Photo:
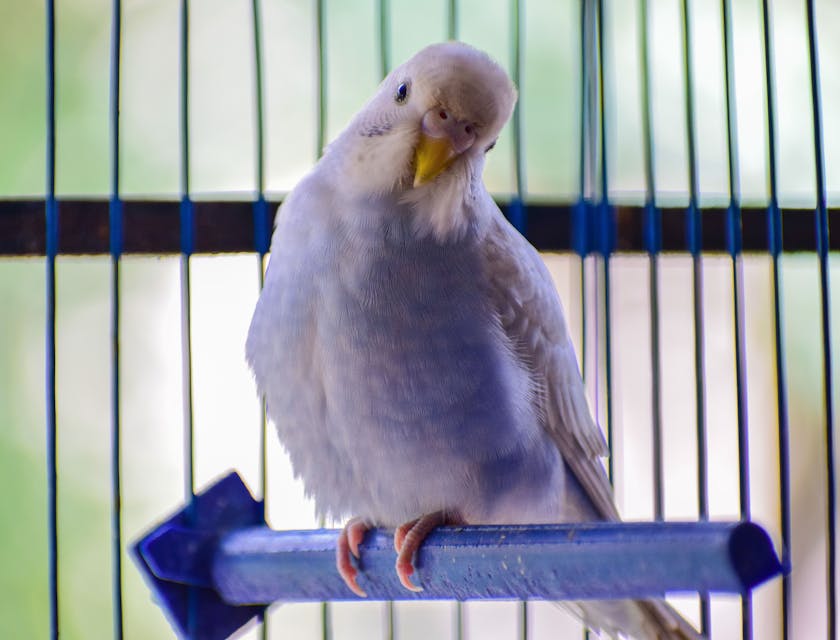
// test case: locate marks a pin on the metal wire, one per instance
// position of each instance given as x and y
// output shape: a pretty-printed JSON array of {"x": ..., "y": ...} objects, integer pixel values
[
  {"x": 518, "y": 213},
  {"x": 384, "y": 38},
  {"x": 652, "y": 226},
  {"x": 581, "y": 214},
  {"x": 51, "y": 223},
  {"x": 694, "y": 232},
  {"x": 821, "y": 222},
  {"x": 587, "y": 169},
  {"x": 115, "y": 220},
  {"x": 320, "y": 47},
  {"x": 320, "y": 136},
  {"x": 734, "y": 241},
  {"x": 384, "y": 68},
  {"x": 260, "y": 231},
  {"x": 605, "y": 227},
  {"x": 774, "y": 232},
  {"x": 452, "y": 20},
  {"x": 187, "y": 243}
]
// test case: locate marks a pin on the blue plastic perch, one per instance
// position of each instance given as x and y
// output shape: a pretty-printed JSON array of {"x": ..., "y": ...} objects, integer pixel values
[{"x": 215, "y": 565}]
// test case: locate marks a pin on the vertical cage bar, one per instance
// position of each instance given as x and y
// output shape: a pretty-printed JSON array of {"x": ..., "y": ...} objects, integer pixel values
[
  {"x": 384, "y": 67},
  {"x": 260, "y": 206},
  {"x": 260, "y": 230},
  {"x": 733, "y": 241},
  {"x": 588, "y": 145},
  {"x": 115, "y": 230},
  {"x": 186, "y": 251},
  {"x": 523, "y": 620},
  {"x": 774, "y": 232},
  {"x": 258, "y": 98},
  {"x": 517, "y": 211},
  {"x": 326, "y": 621},
  {"x": 321, "y": 43},
  {"x": 578, "y": 218},
  {"x": 582, "y": 208},
  {"x": 187, "y": 224},
  {"x": 694, "y": 234},
  {"x": 452, "y": 34},
  {"x": 652, "y": 233},
  {"x": 51, "y": 213},
  {"x": 605, "y": 224},
  {"x": 452, "y": 20},
  {"x": 821, "y": 223},
  {"x": 321, "y": 53},
  {"x": 384, "y": 38},
  {"x": 390, "y": 621}
]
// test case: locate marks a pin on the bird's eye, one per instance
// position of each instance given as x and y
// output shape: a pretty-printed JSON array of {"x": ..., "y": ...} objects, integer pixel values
[
  {"x": 490, "y": 146},
  {"x": 401, "y": 94}
]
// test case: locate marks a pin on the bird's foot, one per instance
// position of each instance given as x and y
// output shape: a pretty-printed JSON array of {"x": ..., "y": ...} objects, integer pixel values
[
  {"x": 348, "y": 543},
  {"x": 408, "y": 538}
]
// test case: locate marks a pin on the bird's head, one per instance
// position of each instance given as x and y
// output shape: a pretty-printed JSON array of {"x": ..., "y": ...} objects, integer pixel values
[{"x": 431, "y": 121}]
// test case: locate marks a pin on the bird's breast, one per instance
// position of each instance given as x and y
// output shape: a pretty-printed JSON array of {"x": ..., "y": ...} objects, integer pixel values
[{"x": 397, "y": 374}]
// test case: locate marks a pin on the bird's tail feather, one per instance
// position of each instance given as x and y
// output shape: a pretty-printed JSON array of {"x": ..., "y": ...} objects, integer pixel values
[{"x": 637, "y": 619}]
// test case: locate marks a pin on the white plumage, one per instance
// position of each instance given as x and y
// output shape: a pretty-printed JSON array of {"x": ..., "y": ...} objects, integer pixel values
[{"x": 409, "y": 342}]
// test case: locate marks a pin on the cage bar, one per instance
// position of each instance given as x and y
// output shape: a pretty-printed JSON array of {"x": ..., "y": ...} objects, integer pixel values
[
  {"x": 227, "y": 226},
  {"x": 694, "y": 233},
  {"x": 321, "y": 50},
  {"x": 115, "y": 238},
  {"x": 187, "y": 242},
  {"x": 261, "y": 227},
  {"x": 652, "y": 234},
  {"x": 604, "y": 237},
  {"x": 733, "y": 237},
  {"x": 822, "y": 231},
  {"x": 51, "y": 250},
  {"x": 775, "y": 244}
]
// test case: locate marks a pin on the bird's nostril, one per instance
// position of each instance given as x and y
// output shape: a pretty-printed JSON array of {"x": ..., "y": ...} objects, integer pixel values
[{"x": 443, "y": 115}]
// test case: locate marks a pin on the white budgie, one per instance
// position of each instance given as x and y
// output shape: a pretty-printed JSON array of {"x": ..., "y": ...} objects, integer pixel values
[{"x": 410, "y": 344}]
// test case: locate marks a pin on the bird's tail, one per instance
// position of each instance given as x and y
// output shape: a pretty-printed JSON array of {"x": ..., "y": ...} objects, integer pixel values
[{"x": 637, "y": 619}]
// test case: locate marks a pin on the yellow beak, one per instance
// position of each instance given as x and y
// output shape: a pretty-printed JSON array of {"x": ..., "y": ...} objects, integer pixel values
[{"x": 431, "y": 157}]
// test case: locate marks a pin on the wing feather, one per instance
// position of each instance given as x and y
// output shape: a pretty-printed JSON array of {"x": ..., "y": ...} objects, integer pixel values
[{"x": 532, "y": 317}]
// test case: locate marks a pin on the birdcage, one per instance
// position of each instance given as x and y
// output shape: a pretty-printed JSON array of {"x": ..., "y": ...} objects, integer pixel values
[{"x": 672, "y": 161}]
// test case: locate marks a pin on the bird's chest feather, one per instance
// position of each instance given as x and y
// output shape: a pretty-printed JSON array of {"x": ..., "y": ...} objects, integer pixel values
[
  {"x": 407, "y": 334},
  {"x": 394, "y": 365}
]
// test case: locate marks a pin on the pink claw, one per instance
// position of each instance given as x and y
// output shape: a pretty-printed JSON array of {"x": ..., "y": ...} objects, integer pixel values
[
  {"x": 356, "y": 530},
  {"x": 408, "y": 538},
  {"x": 401, "y": 533},
  {"x": 404, "y": 571},
  {"x": 348, "y": 542}
]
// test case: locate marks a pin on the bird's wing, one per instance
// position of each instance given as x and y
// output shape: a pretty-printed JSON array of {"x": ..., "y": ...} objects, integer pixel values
[{"x": 532, "y": 316}]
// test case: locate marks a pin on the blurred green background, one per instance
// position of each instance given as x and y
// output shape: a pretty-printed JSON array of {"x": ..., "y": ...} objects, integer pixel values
[{"x": 225, "y": 287}]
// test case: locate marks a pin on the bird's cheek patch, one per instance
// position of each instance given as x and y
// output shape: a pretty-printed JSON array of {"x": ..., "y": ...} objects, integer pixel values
[{"x": 376, "y": 130}]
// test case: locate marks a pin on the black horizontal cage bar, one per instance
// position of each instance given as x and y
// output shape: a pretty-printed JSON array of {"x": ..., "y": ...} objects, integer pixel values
[{"x": 227, "y": 226}]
